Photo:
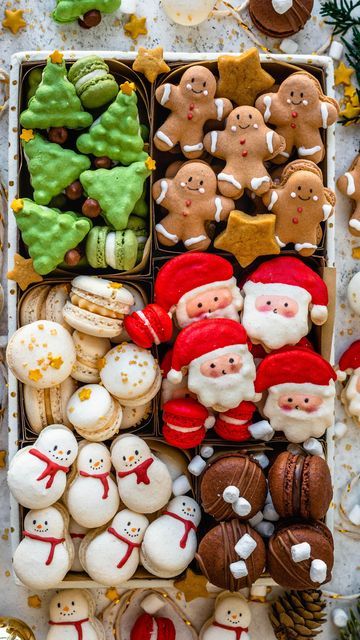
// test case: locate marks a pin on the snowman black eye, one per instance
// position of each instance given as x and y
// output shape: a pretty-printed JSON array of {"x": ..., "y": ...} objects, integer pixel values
[
  {"x": 59, "y": 605},
  {"x": 136, "y": 452},
  {"x": 240, "y": 614},
  {"x": 184, "y": 503},
  {"x": 138, "y": 529},
  {"x": 128, "y": 524},
  {"x": 90, "y": 460},
  {"x": 102, "y": 460},
  {"x": 34, "y": 521},
  {"x": 73, "y": 604},
  {"x": 124, "y": 458},
  {"x": 229, "y": 613},
  {"x": 194, "y": 510},
  {"x": 68, "y": 452},
  {"x": 55, "y": 447},
  {"x": 46, "y": 522}
]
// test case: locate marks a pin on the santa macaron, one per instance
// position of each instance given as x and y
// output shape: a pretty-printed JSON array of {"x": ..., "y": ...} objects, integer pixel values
[
  {"x": 221, "y": 369},
  {"x": 234, "y": 424},
  {"x": 185, "y": 422},
  {"x": 148, "y": 627},
  {"x": 301, "y": 393},
  {"x": 281, "y": 299},
  {"x": 349, "y": 365},
  {"x": 148, "y": 326}
]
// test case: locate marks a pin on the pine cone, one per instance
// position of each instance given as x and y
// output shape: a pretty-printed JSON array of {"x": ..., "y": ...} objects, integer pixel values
[{"x": 298, "y": 615}]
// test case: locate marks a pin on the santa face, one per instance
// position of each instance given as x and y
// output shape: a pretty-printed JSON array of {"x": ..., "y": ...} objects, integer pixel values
[
  {"x": 234, "y": 612},
  {"x": 59, "y": 445},
  {"x": 69, "y": 605},
  {"x": 185, "y": 507},
  {"x": 45, "y": 522},
  {"x": 215, "y": 300},
  {"x": 94, "y": 458},
  {"x": 275, "y": 315},
  {"x": 300, "y": 410},
  {"x": 198, "y": 83},
  {"x": 130, "y": 525},
  {"x": 351, "y": 394},
  {"x": 224, "y": 377},
  {"x": 127, "y": 453}
]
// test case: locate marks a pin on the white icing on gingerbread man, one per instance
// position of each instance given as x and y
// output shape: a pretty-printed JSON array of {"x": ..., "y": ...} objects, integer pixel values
[{"x": 349, "y": 185}]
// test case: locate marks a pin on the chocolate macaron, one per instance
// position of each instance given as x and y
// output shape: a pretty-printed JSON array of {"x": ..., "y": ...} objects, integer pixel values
[
  {"x": 233, "y": 485},
  {"x": 301, "y": 555},
  {"x": 280, "y": 18},
  {"x": 294, "y": 483}
]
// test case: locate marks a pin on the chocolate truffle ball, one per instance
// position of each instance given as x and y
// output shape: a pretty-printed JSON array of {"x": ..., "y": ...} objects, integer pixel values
[
  {"x": 216, "y": 553},
  {"x": 297, "y": 574},
  {"x": 232, "y": 470},
  {"x": 280, "y": 25},
  {"x": 300, "y": 485}
]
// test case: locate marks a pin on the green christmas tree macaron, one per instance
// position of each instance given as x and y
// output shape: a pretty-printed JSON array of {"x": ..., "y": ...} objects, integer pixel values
[
  {"x": 52, "y": 168},
  {"x": 48, "y": 233},
  {"x": 117, "y": 134},
  {"x": 55, "y": 103},
  {"x": 70, "y": 10},
  {"x": 116, "y": 190}
]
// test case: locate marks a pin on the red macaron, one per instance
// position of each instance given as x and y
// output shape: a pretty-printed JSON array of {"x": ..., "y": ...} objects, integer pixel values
[
  {"x": 148, "y": 326},
  {"x": 148, "y": 627},
  {"x": 234, "y": 424},
  {"x": 185, "y": 422}
]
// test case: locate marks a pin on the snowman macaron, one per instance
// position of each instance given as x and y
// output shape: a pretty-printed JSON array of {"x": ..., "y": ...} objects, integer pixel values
[
  {"x": 77, "y": 535},
  {"x": 231, "y": 619},
  {"x": 37, "y": 474},
  {"x": 144, "y": 482},
  {"x": 71, "y": 615},
  {"x": 46, "y": 553},
  {"x": 92, "y": 497},
  {"x": 111, "y": 556},
  {"x": 170, "y": 542}
]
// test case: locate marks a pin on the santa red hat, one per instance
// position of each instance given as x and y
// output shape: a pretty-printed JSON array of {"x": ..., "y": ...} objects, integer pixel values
[
  {"x": 187, "y": 272},
  {"x": 185, "y": 422},
  {"x": 349, "y": 360},
  {"x": 147, "y": 627},
  {"x": 297, "y": 366},
  {"x": 201, "y": 338},
  {"x": 290, "y": 271},
  {"x": 234, "y": 424},
  {"x": 148, "y": 326}
]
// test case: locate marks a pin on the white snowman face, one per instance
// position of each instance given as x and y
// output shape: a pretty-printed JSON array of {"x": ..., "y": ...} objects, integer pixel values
[
  {"x": 69, "y": 605},
  {"x": 59, "y": 444},
  {"x": 45, "y": 522},
  {"x": 185, "y": 507},
  {"x": 94, "y": 458},
  {"x": 233, "y": 612},
  {"x": 130, "y": 525},
  {"x": 129, "y": 452}
]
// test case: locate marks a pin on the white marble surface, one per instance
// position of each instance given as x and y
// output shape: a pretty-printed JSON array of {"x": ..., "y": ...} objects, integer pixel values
[{"x": 215, "y": 35}]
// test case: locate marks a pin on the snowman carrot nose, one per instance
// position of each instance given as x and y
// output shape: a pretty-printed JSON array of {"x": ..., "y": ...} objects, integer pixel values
[
  {"x": 39, "y": 526},
  {"x": 60, "y": 452},
  {"x": 131, "y": 458},
  {"x": 66, "y": 608},
  {"x": 96, "y": 464},
  {"x": 133, "y": 530},
  {"x": 234, "y": 616}
]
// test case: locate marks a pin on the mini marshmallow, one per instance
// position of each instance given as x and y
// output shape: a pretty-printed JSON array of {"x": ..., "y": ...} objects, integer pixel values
[
  {"x": 245, "y": 546},
  {"x": 336, "y": 50},
  {"x": 282, "y": 6},
  {"x": 270, "y": 513},
  {"x": 206, "y": 452},
  {"x": 231, "y": 494},
  {"x": 300, "y": 552},
  {"x": 318, "y": 571},
  {"x": 258, "y": 592},
  {"x": 262, "y": 459},
  {"x": 238, "y": 569},
  {"x": 340, "y": 618},
  {"x": 152, "y": 603},
  {"x": 314, "y": 447},
  {"x": 340, "y": 430},
  {"x": 354, "y": 515},
  {"x": 265, "y": 528},
  {"x": 197, "y": 466},
  {"x": 128, "y": 6},
  {"x": 262, "y": 430},
  {"x": 268, "y": 499},
  {"x": 295, "y": 449},
  {"x": 258, "y": 517},
  {"x": 241, "y": 507},
  {"x": 181, "y": 486},
  {"x": 289, "y": 46}
]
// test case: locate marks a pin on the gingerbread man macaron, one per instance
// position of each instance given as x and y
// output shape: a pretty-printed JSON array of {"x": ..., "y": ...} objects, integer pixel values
[
  {"x": 191, "y": 200},
  {"x": 191, "y": 103},
  {"x": 349, "y": 185},
  {"x": 300, "y": 203},
  {"x": 299, "y": 110},
  {"x": 245, "y": 144}
]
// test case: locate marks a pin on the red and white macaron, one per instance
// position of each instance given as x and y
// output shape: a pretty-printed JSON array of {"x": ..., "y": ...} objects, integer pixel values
[
  {"x": 234, "y": 424},
  {"x": 185, "y": 422},
  {"x": 148, "y": 326}
]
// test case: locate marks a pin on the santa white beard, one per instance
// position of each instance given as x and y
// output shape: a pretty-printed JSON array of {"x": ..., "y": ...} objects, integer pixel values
[
  {"x": 273, "y": 330},
  {"x": 351, "y": 396},
  {"x": 225, "y": 392},
  {"x": 231, "y": 311},
  {"x": 299, "y": 425}
]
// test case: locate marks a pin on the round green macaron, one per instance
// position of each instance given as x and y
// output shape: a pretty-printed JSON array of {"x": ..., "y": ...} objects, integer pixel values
[
  {"x": 95, "y": 247},
  {"x": 139, "y": 227},
  {"x": 116, "y": 249},
  {"x": 94, "y": 85}
]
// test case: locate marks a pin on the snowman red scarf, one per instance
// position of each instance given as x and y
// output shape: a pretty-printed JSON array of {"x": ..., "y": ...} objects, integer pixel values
[
  {"x": 187, "y": 524},
  {"x": 140, "y": 472},
  {"x": 238, "y": 631},
  {"x": 103, "y": 477},
  {"x": 130, "y": 549},
  {"x": 51, "y": 468},
  {"x": 77, "y": 624},
  {"x": 52, "y": 541}
]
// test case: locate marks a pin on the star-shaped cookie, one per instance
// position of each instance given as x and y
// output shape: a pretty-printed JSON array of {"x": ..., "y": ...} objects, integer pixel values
[
  {"x": 14, "y": 20},
  {"x": 151, "y": 63},
  {"x": 242, "y": 77},
  {"x": 135, "y": 27},
  {"x": 23, "y": 272},
  {"x": 248, "y": 237},
  {"x": 193, "y": 586}
]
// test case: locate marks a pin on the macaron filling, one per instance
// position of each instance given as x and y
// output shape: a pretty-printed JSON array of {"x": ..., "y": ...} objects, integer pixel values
[{"x": 96, "y": 73}]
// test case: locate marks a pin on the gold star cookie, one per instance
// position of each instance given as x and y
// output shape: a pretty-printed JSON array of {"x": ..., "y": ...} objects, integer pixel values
[
  {"x": 343, "y": 74},
  {"x": 242, "y": 77},
  {"x": 135, "y": 27},
  {"x": 193, "y": 586},
  {"x": 248, "y": 237},
  {"x": 23, "y": 272},
  {"x": 14, "y": 20},
  {"x": 151, "y": 63}
]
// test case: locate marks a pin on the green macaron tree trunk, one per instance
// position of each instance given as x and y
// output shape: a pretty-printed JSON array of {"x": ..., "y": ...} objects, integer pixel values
[{"x": 70, "y": 10}]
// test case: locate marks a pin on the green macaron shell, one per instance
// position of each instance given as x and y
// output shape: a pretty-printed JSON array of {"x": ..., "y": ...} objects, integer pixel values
[
  {"x": 139, "y": 227},
  {"x": 98, "y": 90},
  {"x": 69, "y": 10},
  {"x": 126, "y": 249},
  {"x": 95, "y": 247}
]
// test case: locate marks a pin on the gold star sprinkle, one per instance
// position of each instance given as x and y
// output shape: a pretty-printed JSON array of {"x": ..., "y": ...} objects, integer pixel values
[
  {"x": 101, "y": 362},
  {"x": 14, "y": 20},
  {"x": 135, "y": 27},
  {"x": 2, "y": 459},
  {"x": 84, "y": 394},
  {"x": 115, "y": 285},
  {"x": 35, "y": 375},
  {"x": 16, "y": 205},
  {"x": 23, "y": 272},
  {"x": 151, "y": 63},
  {"x": 56, "y": 57},
  {"x": 248, "y": 237},
  {"x": 193, "y": 586},
  {"x": 127, "y": 88},
  {"x": 112, "y": 595},
  {"x": 56, "y": 363},
  {"x": 27, "y": 135},
  {"x": 34, "y": 602},
  {"x": 343, "y": 74},
  {"x": 150, "y": 164},
  {"x": 356, "y": 253},
  {"x": 242, "y": 78}
]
